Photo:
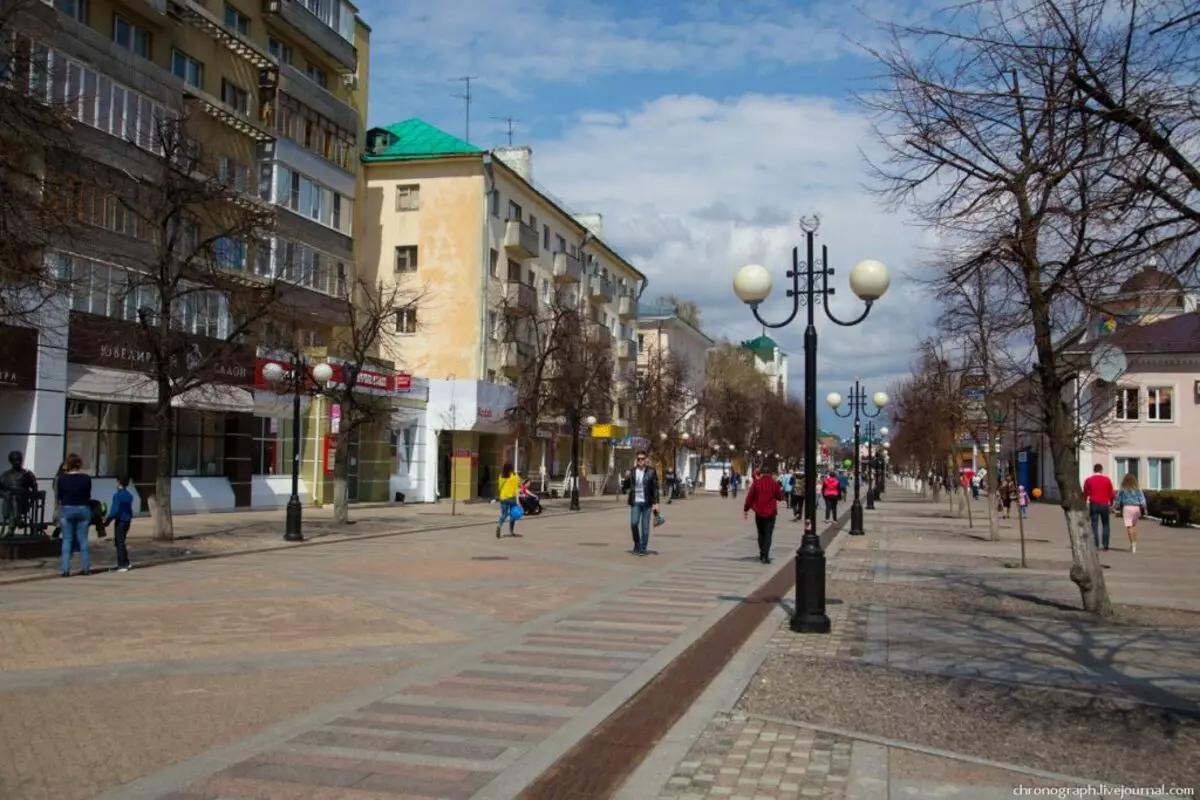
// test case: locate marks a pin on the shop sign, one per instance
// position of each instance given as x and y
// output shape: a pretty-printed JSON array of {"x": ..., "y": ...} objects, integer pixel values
[
  {"x": 97, "y": 341},
  {"x": 602, "y": 431},
  {"x": 462, "y": 453},
  {"x": 329, "y": 453},
  {"x": 369, "y": 381},
  {"x": 403, "y": 382},
  {"x": 18, "y": 357}
]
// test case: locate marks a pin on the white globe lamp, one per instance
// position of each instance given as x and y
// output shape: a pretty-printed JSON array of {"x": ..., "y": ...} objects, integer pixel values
[
  {"x": 752, "y": 284},
  {"x": 273, "y": 372},
  {"x": 833, "y": 400},
  {"x": 322, "y": 374},
  {"x": 880, "y": 399},
  {"x": 869, "y": 280}
]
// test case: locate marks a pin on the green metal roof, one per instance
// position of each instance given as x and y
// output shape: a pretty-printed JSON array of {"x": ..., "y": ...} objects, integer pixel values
[
  {"x": 760, "y": 343},
  {"x": 415, "y": 139}
]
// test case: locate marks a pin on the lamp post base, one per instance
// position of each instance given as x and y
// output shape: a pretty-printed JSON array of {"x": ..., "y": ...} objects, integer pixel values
[
  {"x": 292, "y": 526},
  {"x": 810, "y": 616},
  {"x": 856, "y": 519},
  {"x": 871, "y": 499},
  {"x": 574, "y": 504}
]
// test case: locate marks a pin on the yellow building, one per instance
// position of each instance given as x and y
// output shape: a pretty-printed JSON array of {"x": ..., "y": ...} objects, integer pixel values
[
  {"x": 273, "y": 96},
  {"x": 470, "y": 230}
]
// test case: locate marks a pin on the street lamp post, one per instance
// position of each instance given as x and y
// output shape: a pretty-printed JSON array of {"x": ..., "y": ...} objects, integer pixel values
[
  {"x": 874, "y": 474},
  {"x": 589, "y": 421},
  {"x": 752, "y": 284},
  {"x": 294, "y": 381},
  {"x": 858, "y": 407}
]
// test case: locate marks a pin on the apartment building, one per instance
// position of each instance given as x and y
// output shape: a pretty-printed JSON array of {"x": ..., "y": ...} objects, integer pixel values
[
  {"x": 662, "y": 330},
  {"x": 770, "y": 361},
  {"x": 274, "y": 93},
  {"x": 472, "y": 232}
]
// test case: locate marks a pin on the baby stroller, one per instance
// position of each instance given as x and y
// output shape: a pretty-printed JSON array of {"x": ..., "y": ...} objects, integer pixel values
[{"x": 531, "y": 504}]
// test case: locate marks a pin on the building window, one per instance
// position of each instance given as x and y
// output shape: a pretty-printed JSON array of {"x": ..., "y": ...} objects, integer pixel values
[
  {"x": 187, "y": 68},
  {"x": 545, "y": 237},
  {"x": 308, "y": 198},
  {"x": 199, "y": 443},
  {"x": 99, "y": 433},
  {"x": 1127, "y": 404},
  {"x": 408, "y": 197},
  {"x": 317, "y": 75},
  {"x": 406, "y": 258},
  {"x": 494, "y": 203},
  {"x": 230, "y": 253},
  {"x": 560, "y": 244},
  {"x": 494, "y": 263},
  {"x": 75, "y": 9},
  {"x": 235, "y": 96},
  {"x": 265, "y": 454},
  {"x": 131, "y": 37},
  {"x": 406, "y": 320},
  {"x": 315, "y": 133},
  {"x": 236, "y": 20},
  {"x": 282, "y": 52},
  {"x": 1161, "y": 475},
  {"x": 1158, "y": 404},
  {"x": 1126, "y": 465},
  {"x": 641, "y": 343},
  {"x": 234, "y": 175},
  {"x": 514, "y": 211},
  {"x": 514, "y": 271}
]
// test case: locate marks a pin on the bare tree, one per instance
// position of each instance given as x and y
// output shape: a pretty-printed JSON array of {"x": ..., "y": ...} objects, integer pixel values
[
  {"x": 664, "y": 398},
  {"x": 193, "y": 275},
  {"x": 731, "y": 395},
  {"x": 686, "y": 310}
]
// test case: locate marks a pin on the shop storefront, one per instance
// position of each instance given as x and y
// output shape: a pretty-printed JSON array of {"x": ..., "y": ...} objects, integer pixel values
[
  {"x": 22, "y": 407},
  {"x": 468, "y": 420}
]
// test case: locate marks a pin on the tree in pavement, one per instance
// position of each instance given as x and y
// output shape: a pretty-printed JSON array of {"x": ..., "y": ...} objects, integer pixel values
[
  {"x": 664, "y": 398},
  {"x": 732, "y": 397}
]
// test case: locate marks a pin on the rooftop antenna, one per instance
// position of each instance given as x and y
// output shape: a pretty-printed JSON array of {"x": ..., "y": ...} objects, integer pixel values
[
  {"x": 510, "y": 121},
  {"x": 467, "y": 98}
]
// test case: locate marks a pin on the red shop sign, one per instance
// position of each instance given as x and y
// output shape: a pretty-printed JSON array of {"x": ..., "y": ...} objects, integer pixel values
[
  {"x": 369, "y": 380},
  {"x": 329, "y": 453}
]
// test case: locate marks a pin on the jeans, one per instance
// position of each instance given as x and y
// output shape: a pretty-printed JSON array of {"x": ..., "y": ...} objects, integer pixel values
[
  {"x": 75, "y": 521},
  {"x": 766, "y": 530},
  {"x": 120, "y": 531},
  {"x": 798, "y": 505},
  {"x": 639, "y": 525},
  {"x": 506, "y": 509},
  {"x": 831, "y": 501},
  {"x": 1100, "y": 524},
  {"x": 1024, "y": 512}
]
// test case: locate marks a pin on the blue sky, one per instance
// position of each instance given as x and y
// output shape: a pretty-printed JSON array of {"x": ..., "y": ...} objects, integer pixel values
[{"x": 700, "y": 130}]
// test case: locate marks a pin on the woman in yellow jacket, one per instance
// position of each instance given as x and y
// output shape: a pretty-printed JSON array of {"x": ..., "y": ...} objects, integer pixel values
[{"x": 509, "y": 485}]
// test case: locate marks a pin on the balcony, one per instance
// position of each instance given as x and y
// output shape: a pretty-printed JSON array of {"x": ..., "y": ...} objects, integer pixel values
[
  {"x": 601, "y": 335},
  {"x": 514, "y": 358},
  {"x": 627, "y": 350},
  {"x": 600, "y": 290},
  {"x": 520, "y": 240},
  {"x": 300, "y": 21},
  {"x": 202, "y": 19},
  {"x": 567, "y": 268},
  {"x": 627, "y": 307},
  {"x": 296, "y": 84},
  {"x": 520, "y": 299},
  {"x": 244, "y": 124}
]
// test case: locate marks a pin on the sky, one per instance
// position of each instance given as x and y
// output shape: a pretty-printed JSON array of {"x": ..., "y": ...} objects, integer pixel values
[{"x": 701, "y": 131}]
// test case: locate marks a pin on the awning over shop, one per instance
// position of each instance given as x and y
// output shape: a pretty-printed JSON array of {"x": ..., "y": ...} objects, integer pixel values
[
  {"x": 215, "y": 397},
  {"x": 109, "y": 385},
  {"x": 270, "y": 404},
  {"x": 402, "y": 418}
]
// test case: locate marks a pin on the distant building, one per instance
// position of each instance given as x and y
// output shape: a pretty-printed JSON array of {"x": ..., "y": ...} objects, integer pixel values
[{"x": 770, "y": 361}]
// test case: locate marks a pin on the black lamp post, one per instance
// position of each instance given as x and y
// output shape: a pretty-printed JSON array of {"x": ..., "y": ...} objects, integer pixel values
[
  {"x": 590, "y": 421},
  {"x": 857, "y": 402},
  {"x": 874, "y": 465},
  {"x": 752, "y": 284},
  {"x": 297, "y": 379}
]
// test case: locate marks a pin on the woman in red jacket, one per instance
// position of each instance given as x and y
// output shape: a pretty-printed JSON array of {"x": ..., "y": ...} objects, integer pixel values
[
  {"x": 831, "y": 490},
  {"x": 764, "y": 496}
]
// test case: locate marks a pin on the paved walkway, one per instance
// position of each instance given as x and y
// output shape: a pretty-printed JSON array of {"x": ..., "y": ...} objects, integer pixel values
[
  {"x": 950, "y": 673},
  {"x": 441, "y": 664}
]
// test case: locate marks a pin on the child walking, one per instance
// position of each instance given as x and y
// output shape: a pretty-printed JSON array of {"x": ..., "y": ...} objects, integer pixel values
[
  {"x": 1023, "y": 502},
  {"x": 120, "y": 510}
]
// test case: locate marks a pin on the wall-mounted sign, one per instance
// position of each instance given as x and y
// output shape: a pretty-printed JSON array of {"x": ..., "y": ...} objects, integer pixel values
[{"x": 18, "y": 358}]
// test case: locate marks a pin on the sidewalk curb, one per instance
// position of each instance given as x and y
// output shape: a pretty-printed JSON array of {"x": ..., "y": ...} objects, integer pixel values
[{"x": 141, "y": 565}]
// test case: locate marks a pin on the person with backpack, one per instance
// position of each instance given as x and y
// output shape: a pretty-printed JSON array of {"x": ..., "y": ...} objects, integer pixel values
[{"x": 763, "y": 498}]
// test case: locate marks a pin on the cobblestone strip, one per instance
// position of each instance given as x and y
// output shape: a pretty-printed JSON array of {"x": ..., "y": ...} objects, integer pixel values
[{"x": 739, "y": 758}]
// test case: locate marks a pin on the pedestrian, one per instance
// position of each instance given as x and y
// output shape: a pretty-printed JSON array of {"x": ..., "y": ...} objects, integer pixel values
[
  {"x": 724, "y": 485},
  {"x": 785, "y": 481},
  {"x": 670, "y": 479},
  {"x": 73, "y": 493},
  {"x": 1100, "y": 495},
  {"x": 735, "y": 480},
  {"x": 1008, "y": 493},
  {"x": 641, "y": 488},
  {"x": 508, "y": 486},
  {"x": 763, "y": 497},
  {"x": 842, "y": 482},
  {"x": 1132, "y": 504},
  {"x": 1023, "y": 502},
  {"x": 832, "y": 493},
  {"x": 120, "y": 511}
]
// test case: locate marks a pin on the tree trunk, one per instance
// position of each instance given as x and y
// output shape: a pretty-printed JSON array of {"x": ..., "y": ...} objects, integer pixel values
[
  {"x": 164, "y": 522},
  {"x": 341, "y": 474},
  {"x": 993, "y": 490}
]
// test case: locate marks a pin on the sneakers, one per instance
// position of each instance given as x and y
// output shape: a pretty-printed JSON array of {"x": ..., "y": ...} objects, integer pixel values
[
  {"x": 122, "y": 569},
  {"x": 1133, "y": 547},
  {"x": 497, "y": 531}
]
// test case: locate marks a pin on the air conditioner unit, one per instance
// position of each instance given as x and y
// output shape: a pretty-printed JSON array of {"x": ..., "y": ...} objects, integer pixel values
[{"x": 350, "y": 80}]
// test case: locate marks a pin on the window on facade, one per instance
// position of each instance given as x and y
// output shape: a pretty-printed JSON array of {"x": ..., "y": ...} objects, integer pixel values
[
  {"x": 493, "y": 325},
  {"x": 494, "y": 203},
  {"x": 533, "y": 223},
  {"x": 641, "y": 343},
  {"x": 236, "y": 21},
  {"x": 1158, "y": 404},
  {"x": 406, "y": 258},
  {"x": 131, "y": 37},
  {"x": 494, "y": 263},
  {"x": 75, "y": 9},
  {"x": 560, "y": 244},
  {"x": 199, "y": 443},
  {"x": 230, "y": 253},
  {"x": 317, "y": 75},
  {"x": 314, "y": 132},
  {"x": 187, "y": 68},
  {"x": 1127, "y": 404},
  {"x": 99, "y": 433},
  {"x": 235, "y": 96},
  {"x": 546, "y": 237},
  {"x": 282, "y": 52},
  {"x": 622, "y": 411},
  {"x": 546, "y": 294},
  {"x": 233, "y": 174},
  {"x": 514, "y": 211},
  {"x": 1161, "y": 475},
  {"x": 1126, "y": 465},
  {"x": 514, "y": 271},
  {"x": 308, "y": 198},
  {"x": 408, "y": 197},
  {"x": 266, "y": 457},
  {"x": 406, "y": 320}
]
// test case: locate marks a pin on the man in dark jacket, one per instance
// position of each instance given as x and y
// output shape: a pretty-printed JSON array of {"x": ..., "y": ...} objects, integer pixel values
[
  {"x": 763, "y": 497},
  {"x": 641, "y": 486}
]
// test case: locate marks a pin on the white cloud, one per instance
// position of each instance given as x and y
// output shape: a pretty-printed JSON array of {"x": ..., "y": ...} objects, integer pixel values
[{"x": 692, "y": 187}]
